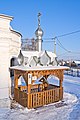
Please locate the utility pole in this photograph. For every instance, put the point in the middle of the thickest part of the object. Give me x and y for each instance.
(55, 45)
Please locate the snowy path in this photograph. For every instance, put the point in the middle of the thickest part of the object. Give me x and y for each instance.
(72, 85)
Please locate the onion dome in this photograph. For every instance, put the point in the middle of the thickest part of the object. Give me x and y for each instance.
(39, 31)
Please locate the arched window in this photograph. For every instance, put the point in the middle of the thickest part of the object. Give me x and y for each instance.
(13, 62)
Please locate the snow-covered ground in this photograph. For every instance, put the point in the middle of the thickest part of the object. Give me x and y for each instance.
(55, 111)
(72, 86)
(67, 109)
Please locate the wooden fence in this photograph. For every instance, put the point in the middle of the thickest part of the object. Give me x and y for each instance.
(21, 97)
(45, 97)
(38, 99)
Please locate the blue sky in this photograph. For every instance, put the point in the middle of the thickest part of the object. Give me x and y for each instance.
(58, 17)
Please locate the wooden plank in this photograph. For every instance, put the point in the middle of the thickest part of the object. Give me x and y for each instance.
(48, 96)
(43, 99)
(31, 101)
(28, 101)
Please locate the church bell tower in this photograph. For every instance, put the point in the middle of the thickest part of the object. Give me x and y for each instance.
(39, 34)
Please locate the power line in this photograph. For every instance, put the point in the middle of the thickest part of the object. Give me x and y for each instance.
(71, 52)
(60, 44)
(61, 54)
(63, 35)
(69, 33)
(49, 41)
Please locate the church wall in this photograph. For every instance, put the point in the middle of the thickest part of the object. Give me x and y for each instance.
(10, 43)
(4, 69)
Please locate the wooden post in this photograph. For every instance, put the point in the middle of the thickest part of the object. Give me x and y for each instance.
(15, 80)
(28, 101)
(29, 82)
(61, 87)
(29, 89)
(15, 85)
(60, 83)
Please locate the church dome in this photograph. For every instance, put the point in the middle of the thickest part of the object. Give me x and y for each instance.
(39, 32)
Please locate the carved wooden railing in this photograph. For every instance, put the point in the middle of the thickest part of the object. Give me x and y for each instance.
(37, 99)
(42, 98)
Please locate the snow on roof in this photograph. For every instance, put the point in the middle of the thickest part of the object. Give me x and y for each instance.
(6, 16)
(77, 61)
(36, 53)
(30, 53)
(34, 68)
(45, 56)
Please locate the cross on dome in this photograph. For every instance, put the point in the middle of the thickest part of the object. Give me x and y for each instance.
(39, 14)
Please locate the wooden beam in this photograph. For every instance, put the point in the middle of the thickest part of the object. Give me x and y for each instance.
(15, 80)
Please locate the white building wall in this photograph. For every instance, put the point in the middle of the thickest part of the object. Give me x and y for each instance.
(10, 43)
(4, 75)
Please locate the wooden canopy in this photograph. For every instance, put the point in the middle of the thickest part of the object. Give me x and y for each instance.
(38, 98)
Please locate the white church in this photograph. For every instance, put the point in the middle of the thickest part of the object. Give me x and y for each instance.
(11, 54)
